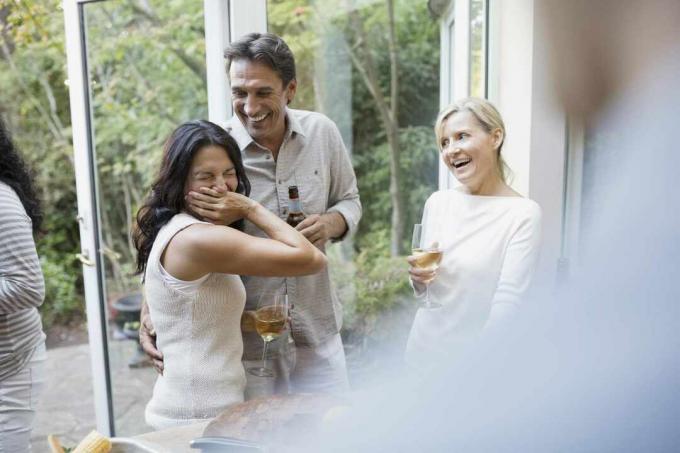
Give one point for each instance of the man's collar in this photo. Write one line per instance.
(243, 139)
(293, 123)
(238, 132)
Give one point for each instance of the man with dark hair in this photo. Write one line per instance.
(283, 147)
(264, 48)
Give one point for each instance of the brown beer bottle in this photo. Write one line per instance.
(295, 214)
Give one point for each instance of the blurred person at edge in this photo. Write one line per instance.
(22, 290)
(595, 365)
(489, 234)
(191, 272)
(282, 147)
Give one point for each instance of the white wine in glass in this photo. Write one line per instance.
(426, 258)
(270, 321)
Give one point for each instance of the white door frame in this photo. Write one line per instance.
(454, 72)
(225, 21)
(217, 33)
(573, 195)
(88, 216)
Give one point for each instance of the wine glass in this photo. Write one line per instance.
(427, 257)
(270, 321)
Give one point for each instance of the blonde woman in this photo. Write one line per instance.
(489, 234)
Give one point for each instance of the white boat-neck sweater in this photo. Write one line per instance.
(491, 246)
(199, 334)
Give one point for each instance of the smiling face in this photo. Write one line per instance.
(259, 100)
(471, 153)
(211, 167)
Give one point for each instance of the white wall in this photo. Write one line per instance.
(512, 49)
(547, 152)
(521, 88)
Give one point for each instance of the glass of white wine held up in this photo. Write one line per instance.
(270, 321)
(427, 257)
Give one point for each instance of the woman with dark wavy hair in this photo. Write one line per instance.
(22, 289)
(191, 271)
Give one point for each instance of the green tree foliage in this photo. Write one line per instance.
(419, 166)
(377, 280)
(34, 102)
(147, 74)
(147, 65)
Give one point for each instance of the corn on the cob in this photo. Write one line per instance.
(94, 443)
(55, 445)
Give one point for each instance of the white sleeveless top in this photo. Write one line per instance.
(199, 335)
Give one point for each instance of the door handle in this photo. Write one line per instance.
(85, 259)
(111, 254)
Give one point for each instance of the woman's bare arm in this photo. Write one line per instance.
(202, 248)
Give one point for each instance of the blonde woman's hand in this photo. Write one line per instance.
(422, 276)
(418, 275)
(219, 206)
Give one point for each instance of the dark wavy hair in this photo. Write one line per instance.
(167, 192)
(15, 173)
(265, 48)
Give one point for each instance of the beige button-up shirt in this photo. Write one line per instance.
(312, 157)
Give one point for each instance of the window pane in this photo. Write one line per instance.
(146, 66)
(478, 48)
(342, 52)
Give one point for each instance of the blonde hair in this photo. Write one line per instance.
(487, 116)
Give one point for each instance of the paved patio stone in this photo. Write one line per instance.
(66, 407)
